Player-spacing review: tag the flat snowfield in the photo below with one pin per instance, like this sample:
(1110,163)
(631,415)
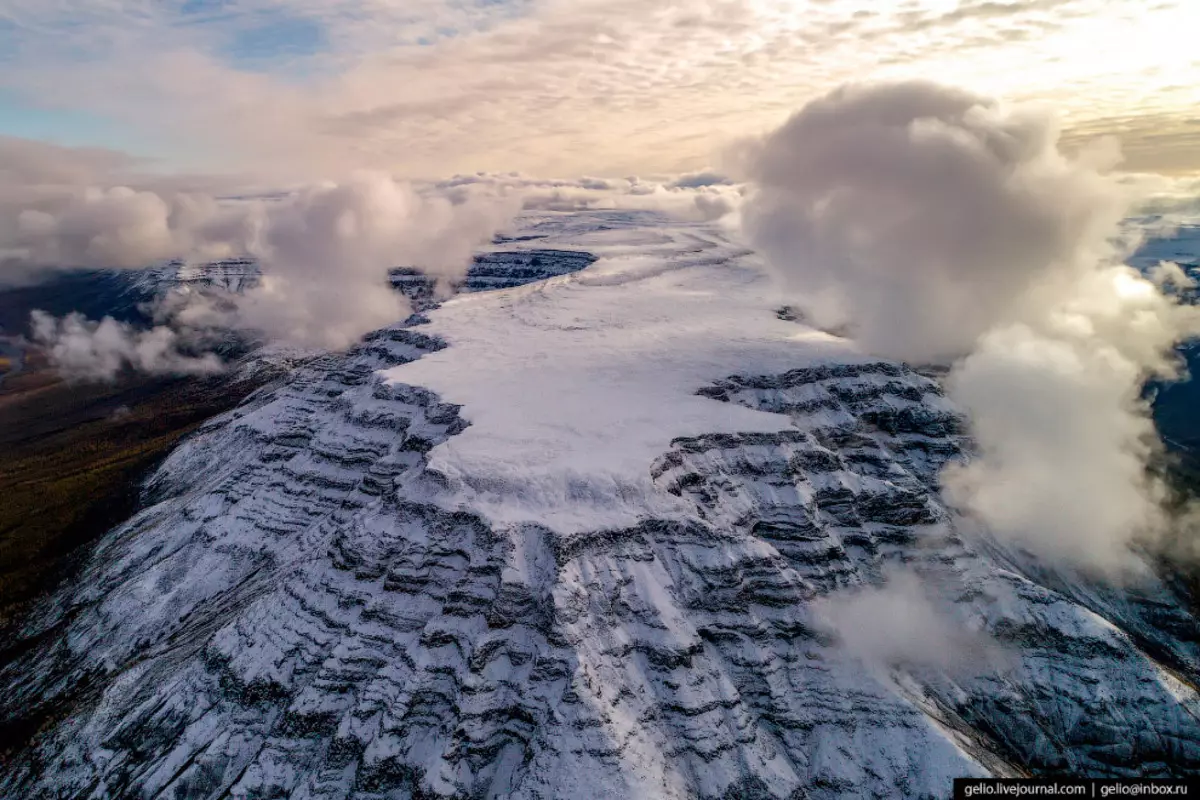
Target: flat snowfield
(575,385)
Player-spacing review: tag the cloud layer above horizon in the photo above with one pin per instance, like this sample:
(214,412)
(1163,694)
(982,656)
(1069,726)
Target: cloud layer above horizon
(315,88)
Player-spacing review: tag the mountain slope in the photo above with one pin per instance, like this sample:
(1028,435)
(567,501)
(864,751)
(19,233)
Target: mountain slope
(581,538)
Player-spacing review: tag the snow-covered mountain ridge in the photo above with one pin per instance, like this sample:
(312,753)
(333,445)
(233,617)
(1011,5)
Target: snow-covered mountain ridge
(578,538)
(489,270)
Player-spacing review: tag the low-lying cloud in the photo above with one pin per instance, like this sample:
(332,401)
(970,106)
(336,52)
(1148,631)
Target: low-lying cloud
(124,228)
(325,253)
(563,86)
(942,226)
(324,250)
(86,350)
(901,624)
(699,197)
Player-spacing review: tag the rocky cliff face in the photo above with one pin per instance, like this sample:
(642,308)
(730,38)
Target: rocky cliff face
(496,270)
(299,613)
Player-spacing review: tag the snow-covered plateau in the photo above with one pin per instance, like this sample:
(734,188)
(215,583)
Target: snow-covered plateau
(583,537)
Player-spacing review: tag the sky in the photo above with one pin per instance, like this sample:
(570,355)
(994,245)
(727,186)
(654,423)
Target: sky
(426,88)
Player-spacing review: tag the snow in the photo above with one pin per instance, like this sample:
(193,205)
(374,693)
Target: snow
(295,618)
(574,386)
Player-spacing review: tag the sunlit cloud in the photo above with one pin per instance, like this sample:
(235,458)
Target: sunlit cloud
(564,87)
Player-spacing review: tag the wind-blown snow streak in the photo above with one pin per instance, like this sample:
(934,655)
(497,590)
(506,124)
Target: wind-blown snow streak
(325,600)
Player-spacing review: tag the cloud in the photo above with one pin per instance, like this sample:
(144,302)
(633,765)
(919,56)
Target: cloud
(324,250)
(124,228)
(25,162)
(939,225)
(881,199)
(84,350)
(1171,203)
(191,326)
(1065,440)
(1151,141)
(700,203)
(78,206)
(554,87)
(695,180)
(325,253)
(903,624)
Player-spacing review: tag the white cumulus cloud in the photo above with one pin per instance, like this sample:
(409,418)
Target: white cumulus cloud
(85,350)
(937,225)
